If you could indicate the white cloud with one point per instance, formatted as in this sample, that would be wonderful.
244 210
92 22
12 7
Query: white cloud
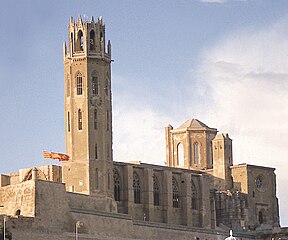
246 75
139 134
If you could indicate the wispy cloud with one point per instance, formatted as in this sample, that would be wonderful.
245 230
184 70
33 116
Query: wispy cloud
246 75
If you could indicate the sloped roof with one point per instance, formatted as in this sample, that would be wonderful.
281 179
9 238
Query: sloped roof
195 124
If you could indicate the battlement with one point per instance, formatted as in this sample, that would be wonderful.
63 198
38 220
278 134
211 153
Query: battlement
86 39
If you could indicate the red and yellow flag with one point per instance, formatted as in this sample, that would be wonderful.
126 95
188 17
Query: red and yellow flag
46 154
58 156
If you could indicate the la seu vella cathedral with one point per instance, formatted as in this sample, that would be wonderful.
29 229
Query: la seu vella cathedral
199 195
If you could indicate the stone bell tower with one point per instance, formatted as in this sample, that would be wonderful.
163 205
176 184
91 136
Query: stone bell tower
88 109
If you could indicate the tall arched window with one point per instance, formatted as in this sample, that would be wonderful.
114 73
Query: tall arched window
137 188
180 152
80 41
117 185
92 40
68 122
94 83
79 83
79 119
175 196
95 118
196 153
156 192
194 195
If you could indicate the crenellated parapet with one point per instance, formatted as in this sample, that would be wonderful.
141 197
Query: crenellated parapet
86 39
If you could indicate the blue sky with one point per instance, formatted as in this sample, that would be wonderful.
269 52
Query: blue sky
221 61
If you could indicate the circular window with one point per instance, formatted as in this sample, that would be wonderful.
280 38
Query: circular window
259 182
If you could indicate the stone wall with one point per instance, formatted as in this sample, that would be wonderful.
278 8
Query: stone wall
19 197
97 225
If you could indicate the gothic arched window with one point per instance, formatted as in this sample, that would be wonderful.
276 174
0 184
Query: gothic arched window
196 153
92 40
175 196
180 152
79 83
156 192
94 84
194 196
137 188
79 119
80 41
117 185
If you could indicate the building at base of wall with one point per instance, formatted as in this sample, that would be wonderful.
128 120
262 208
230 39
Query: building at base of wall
56 212
41 209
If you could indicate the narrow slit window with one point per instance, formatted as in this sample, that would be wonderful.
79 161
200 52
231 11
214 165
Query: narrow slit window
79 119
96 178
68 122
96 151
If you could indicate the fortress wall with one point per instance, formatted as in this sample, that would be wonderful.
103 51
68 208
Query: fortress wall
88 202
104 226
18 197
52 210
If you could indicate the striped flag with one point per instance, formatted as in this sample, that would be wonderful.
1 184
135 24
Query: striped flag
58 156
46 154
